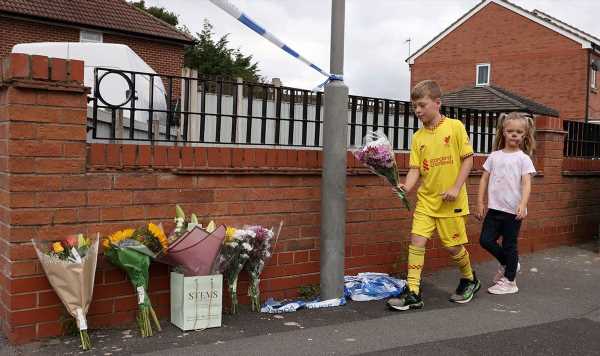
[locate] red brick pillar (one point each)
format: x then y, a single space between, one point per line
42 142
550 139
546 222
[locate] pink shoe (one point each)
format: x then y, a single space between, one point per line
504 286
500 272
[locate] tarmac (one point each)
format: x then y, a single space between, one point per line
556 312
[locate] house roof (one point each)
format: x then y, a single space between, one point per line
565 25
493 98
585 39
116 15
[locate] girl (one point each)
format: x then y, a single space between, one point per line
508 171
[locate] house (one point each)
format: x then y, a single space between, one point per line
528 54
110 21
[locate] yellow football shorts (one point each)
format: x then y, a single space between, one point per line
452 230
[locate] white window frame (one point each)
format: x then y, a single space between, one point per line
489 74
593 78
82 36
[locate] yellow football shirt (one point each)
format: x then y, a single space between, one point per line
438 153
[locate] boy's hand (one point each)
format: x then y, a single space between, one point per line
401 187
521 211
450 194
480 211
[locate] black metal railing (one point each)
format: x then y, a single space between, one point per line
582 139
138 106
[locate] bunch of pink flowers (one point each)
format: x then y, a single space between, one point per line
378 156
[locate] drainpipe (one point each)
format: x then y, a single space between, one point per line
587 85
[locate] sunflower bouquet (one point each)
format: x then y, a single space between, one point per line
153 237
70 266
132 250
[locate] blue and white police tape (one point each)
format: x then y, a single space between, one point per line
272 306
254 26
372 286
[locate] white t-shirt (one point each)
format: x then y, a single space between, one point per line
506 170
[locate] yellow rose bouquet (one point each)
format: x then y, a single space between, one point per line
70 266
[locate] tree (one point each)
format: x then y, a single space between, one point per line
160 12
215 58
209 57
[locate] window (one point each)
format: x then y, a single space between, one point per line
593 75
90 36
483 74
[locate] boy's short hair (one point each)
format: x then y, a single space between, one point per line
426 88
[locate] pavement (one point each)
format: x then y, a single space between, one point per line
556 312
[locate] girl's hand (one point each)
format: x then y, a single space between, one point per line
521 211
480 211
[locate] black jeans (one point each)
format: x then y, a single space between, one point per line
498 223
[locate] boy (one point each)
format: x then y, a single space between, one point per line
442 155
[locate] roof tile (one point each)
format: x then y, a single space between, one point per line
493 98
115 15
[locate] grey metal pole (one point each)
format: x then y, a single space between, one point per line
333 182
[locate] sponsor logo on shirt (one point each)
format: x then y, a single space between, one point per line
441 161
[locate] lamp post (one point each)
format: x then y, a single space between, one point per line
333 183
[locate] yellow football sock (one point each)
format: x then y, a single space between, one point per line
416 258
461 259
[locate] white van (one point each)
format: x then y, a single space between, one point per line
113 88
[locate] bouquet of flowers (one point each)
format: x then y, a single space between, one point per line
131 250
192 249
260 254
70 266
234 255
152 237
377 154
183 224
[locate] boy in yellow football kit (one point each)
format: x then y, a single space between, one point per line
442 157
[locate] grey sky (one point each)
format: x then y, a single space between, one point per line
376 30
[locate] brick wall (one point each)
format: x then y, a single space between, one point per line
526 58
42 142
164 58
52 183
580 165
15 31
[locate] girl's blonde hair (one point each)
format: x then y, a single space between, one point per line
528 143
